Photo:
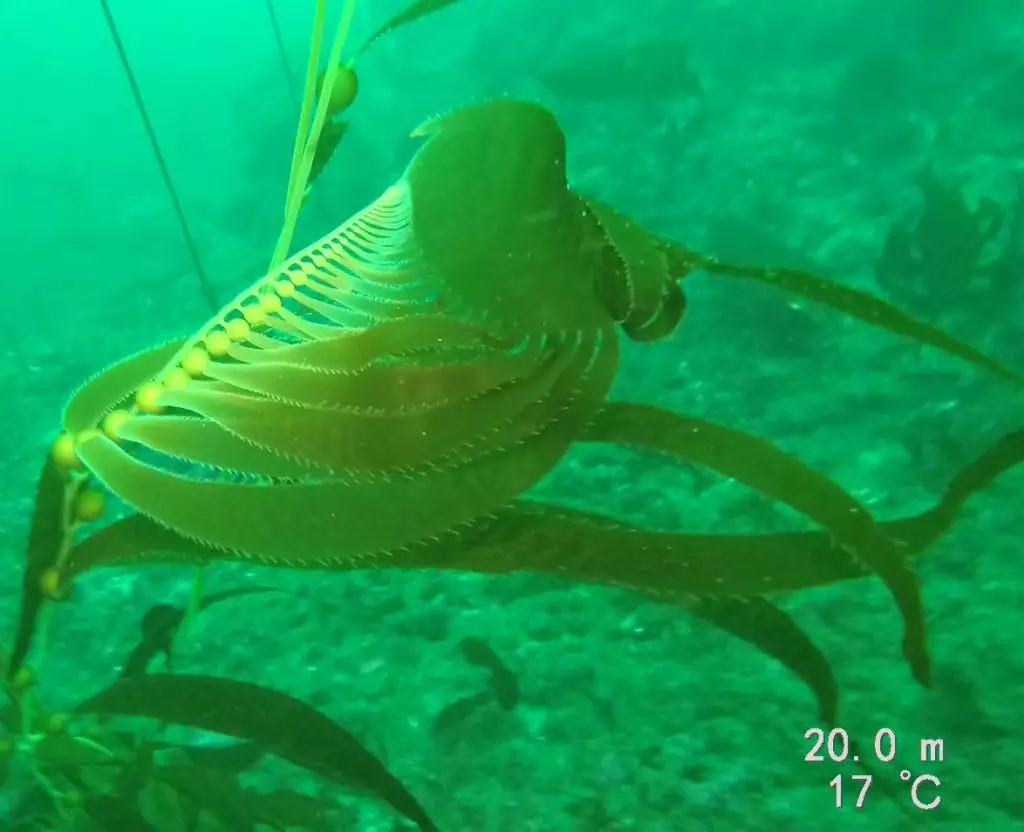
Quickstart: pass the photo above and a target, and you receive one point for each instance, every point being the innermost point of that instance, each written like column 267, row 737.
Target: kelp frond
column 278, row 723
column 371, row 392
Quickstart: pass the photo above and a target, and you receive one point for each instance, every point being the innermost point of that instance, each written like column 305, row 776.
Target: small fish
column 502, row 687
column 504, row 684
column 160, row 625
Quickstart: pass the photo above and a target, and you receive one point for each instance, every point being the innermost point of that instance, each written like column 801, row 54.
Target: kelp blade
column 699, row 571
column 412, row 13
column 115, row 383
column 783, row 477
column 772, row 631
column 532, row 536
column 281, row 724
column 376, row 515
column 45, row 538
column 161, row 622
column 867, row 308
column 496, row 248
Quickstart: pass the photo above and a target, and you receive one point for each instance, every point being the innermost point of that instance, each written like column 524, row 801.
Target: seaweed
column 330, row 138
column 775, row 633
column 784, row 478
column 281, row 724
column 724, row 578
column 161, row 623
column 99, row 779
column 412, row 13
column 47, row 534
column 341, row 93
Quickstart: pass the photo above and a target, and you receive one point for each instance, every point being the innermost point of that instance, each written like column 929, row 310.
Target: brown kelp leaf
column 673, row 307
column 334, row 439
column 972, row 478
column 136, row 539
column 503, row 682
column 643, row 268
column 863, row 307
column 781, row 476
column 489, row 192
column 412, row 13
column 508, row 215
column 381, row 513
column 915, row 534
column 424, row 380
column 639, row 290
column 330, row 138
column 281, row 724
column 160, row 624
column 530, row 536
column 44, row 543
column 113, row 385
column 771, row 630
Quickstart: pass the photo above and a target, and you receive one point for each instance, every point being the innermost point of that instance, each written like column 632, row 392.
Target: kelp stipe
column 206, row 287
column 847, row 300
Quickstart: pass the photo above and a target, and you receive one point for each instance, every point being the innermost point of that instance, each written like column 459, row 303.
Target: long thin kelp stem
column 206, row 287
column 302, row 131
column 282, row 53
column 307, row 136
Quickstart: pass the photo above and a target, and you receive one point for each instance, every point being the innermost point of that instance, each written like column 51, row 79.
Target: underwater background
column 875, row 143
